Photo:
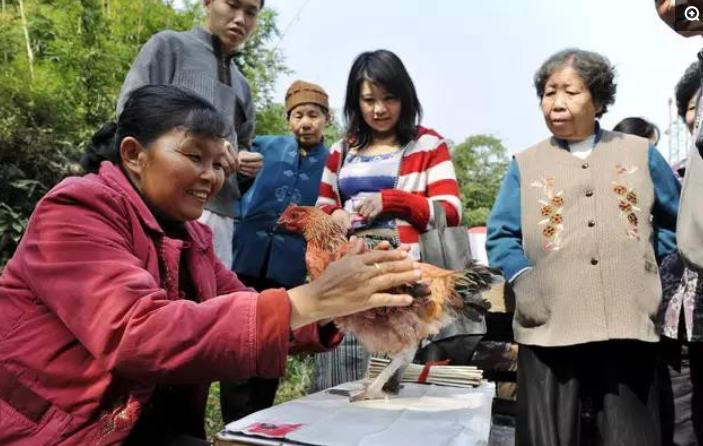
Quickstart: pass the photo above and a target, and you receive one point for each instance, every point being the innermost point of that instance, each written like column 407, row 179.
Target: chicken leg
column 391, row 375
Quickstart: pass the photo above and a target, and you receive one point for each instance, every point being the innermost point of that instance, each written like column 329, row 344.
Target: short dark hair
column 637, row 126
column 383, row 68
column 687, row 86
column 594, row 69
column 150, row 112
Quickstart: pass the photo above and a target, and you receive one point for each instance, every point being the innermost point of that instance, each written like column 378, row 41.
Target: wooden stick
column 448, row 375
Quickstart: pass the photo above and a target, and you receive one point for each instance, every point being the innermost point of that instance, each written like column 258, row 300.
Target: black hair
column 385, row 69
column 637, row 126
column 687, row 86
column 150, row 112
column 594, row 69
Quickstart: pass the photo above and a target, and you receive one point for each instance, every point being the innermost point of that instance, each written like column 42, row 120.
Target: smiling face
column 232, row 21
column 308, row 123
column 567, row 105
column 178, row 173
column 379, row 108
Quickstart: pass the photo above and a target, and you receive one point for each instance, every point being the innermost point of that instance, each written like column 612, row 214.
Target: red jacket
column 88, row 324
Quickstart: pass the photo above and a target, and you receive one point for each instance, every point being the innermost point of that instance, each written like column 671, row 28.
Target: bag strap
column 440, row 223
column 440, row 217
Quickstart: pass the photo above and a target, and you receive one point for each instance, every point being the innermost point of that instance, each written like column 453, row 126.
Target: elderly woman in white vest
column 577, row 228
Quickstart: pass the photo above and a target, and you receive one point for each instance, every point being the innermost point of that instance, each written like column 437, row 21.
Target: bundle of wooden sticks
column 443, row 375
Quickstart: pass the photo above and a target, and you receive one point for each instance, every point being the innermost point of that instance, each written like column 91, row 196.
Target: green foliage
column 260, row 63
column 271, row 120
column 334, row 131
column 81, row 51
column 213, row 415
column 297, row 380
column 12, row 224
column 480, row 162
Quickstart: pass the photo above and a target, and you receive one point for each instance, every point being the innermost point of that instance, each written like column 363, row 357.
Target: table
column 420, row 414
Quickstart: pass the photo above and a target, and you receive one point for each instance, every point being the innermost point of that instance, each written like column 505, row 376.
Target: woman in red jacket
column 115, row 313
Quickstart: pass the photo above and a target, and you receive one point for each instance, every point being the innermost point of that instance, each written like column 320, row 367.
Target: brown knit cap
column 301, row 92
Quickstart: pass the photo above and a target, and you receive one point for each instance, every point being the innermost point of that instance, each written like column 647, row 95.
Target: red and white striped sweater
column 426, row 173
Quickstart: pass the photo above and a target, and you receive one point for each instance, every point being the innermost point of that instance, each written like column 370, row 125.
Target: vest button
column 591, row 223
column 584, row 166
column 589, row 193
column 594, row 261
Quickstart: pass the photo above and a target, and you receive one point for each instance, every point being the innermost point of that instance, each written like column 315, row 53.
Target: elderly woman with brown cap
column 578, row 226
column 264, row 258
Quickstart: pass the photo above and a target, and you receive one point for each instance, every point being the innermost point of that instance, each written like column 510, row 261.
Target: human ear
column 599, row 108
column 132, row 154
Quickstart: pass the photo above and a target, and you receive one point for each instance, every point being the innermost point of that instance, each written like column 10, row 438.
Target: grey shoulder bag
column 448, row 247
column 443, row 246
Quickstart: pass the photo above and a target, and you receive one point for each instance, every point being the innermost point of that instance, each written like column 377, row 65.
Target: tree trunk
column 4, row 54
column 30, row 55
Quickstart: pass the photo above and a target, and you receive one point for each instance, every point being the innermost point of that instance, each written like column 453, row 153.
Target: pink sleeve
column 272, row 333
column 314, row 338
column 310, row 338
column 77, row 257
column 273, row 325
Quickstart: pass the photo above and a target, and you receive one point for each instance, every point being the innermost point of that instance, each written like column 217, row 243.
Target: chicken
column 396, row 331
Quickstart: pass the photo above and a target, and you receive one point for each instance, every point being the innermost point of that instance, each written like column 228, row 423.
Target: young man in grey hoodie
column 202, row 60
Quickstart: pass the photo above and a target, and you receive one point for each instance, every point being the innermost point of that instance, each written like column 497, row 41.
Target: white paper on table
column 420, row 414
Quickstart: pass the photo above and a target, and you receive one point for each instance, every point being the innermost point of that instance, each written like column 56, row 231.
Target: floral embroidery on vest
column 551, row 207
column 627, row 201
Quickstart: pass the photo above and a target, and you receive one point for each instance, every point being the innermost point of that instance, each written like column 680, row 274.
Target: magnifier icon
column 692, row 14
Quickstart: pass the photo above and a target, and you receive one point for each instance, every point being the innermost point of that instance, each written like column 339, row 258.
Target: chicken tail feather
column 470, row 284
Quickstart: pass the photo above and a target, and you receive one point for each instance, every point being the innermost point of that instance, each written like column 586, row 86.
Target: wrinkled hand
column 230, row 162
column 371, row 206
column 343, row 219
column 354, row 283
column 250, row 163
